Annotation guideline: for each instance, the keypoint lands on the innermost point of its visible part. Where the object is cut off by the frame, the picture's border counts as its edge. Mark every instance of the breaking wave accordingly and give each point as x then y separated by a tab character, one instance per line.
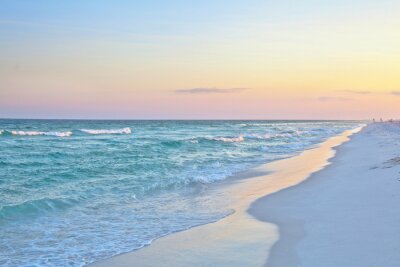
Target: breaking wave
242	137
126	130
34	133
228	139
269	136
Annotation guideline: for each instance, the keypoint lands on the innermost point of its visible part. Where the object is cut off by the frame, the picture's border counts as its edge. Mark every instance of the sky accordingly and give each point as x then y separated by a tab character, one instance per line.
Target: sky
208	59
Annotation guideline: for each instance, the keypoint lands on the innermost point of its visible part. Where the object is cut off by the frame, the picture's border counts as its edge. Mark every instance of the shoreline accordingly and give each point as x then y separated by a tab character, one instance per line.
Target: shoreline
246	239
345	214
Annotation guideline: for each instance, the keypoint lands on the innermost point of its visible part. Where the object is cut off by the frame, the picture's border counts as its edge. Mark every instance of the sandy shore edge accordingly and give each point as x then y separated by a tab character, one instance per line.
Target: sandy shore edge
239	239
345	214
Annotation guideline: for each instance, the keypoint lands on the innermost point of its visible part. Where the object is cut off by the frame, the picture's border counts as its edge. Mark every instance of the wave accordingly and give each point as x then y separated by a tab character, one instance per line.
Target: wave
259	136
243	137
267	136
35	133
172	143
240	138
36	206
126	130
283	134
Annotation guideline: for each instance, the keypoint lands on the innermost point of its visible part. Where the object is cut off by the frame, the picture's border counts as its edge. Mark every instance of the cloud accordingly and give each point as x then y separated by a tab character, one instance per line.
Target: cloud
355	92
396	93
331	98
210	90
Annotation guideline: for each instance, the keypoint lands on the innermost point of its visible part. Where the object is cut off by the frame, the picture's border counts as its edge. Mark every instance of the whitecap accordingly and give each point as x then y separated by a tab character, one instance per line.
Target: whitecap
126	130
34	133
257	136
229	139
276	135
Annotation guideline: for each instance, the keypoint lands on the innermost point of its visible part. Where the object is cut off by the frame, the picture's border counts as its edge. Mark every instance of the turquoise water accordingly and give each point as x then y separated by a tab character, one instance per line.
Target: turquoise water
74	192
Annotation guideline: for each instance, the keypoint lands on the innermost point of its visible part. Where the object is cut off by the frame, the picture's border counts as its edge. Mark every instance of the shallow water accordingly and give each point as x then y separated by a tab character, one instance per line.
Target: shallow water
73	192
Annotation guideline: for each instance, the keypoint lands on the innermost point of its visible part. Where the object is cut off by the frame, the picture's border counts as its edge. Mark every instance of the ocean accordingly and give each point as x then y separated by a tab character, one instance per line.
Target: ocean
73	192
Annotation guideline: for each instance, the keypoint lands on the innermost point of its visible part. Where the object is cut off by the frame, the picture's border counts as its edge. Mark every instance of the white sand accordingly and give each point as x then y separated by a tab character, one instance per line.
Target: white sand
345	215
239	239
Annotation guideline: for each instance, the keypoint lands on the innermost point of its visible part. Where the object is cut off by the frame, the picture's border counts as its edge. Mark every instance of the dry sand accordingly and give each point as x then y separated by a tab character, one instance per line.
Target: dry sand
344	215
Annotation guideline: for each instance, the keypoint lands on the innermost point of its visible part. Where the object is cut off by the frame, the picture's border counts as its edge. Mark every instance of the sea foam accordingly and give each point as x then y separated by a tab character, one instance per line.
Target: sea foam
126	130
34	133
240	138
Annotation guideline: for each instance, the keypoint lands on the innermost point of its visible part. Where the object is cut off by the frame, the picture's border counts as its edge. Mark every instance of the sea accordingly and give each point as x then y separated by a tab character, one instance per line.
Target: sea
73	192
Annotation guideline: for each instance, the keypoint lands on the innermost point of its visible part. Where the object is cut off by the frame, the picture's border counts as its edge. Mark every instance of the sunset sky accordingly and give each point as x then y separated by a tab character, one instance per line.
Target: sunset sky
209	59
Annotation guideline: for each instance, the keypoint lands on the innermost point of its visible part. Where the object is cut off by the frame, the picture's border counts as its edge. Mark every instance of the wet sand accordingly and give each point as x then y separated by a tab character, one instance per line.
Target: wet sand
243	238
347	213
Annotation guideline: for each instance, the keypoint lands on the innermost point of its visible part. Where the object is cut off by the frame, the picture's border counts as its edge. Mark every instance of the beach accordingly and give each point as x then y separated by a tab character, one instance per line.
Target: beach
333	205
346	214
199	133
78	192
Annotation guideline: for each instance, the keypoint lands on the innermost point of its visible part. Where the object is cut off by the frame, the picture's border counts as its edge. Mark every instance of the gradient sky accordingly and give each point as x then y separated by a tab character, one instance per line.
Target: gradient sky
209	59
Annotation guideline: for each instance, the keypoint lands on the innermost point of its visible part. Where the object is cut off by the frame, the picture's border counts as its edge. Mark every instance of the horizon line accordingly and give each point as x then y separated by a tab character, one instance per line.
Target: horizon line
221	119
